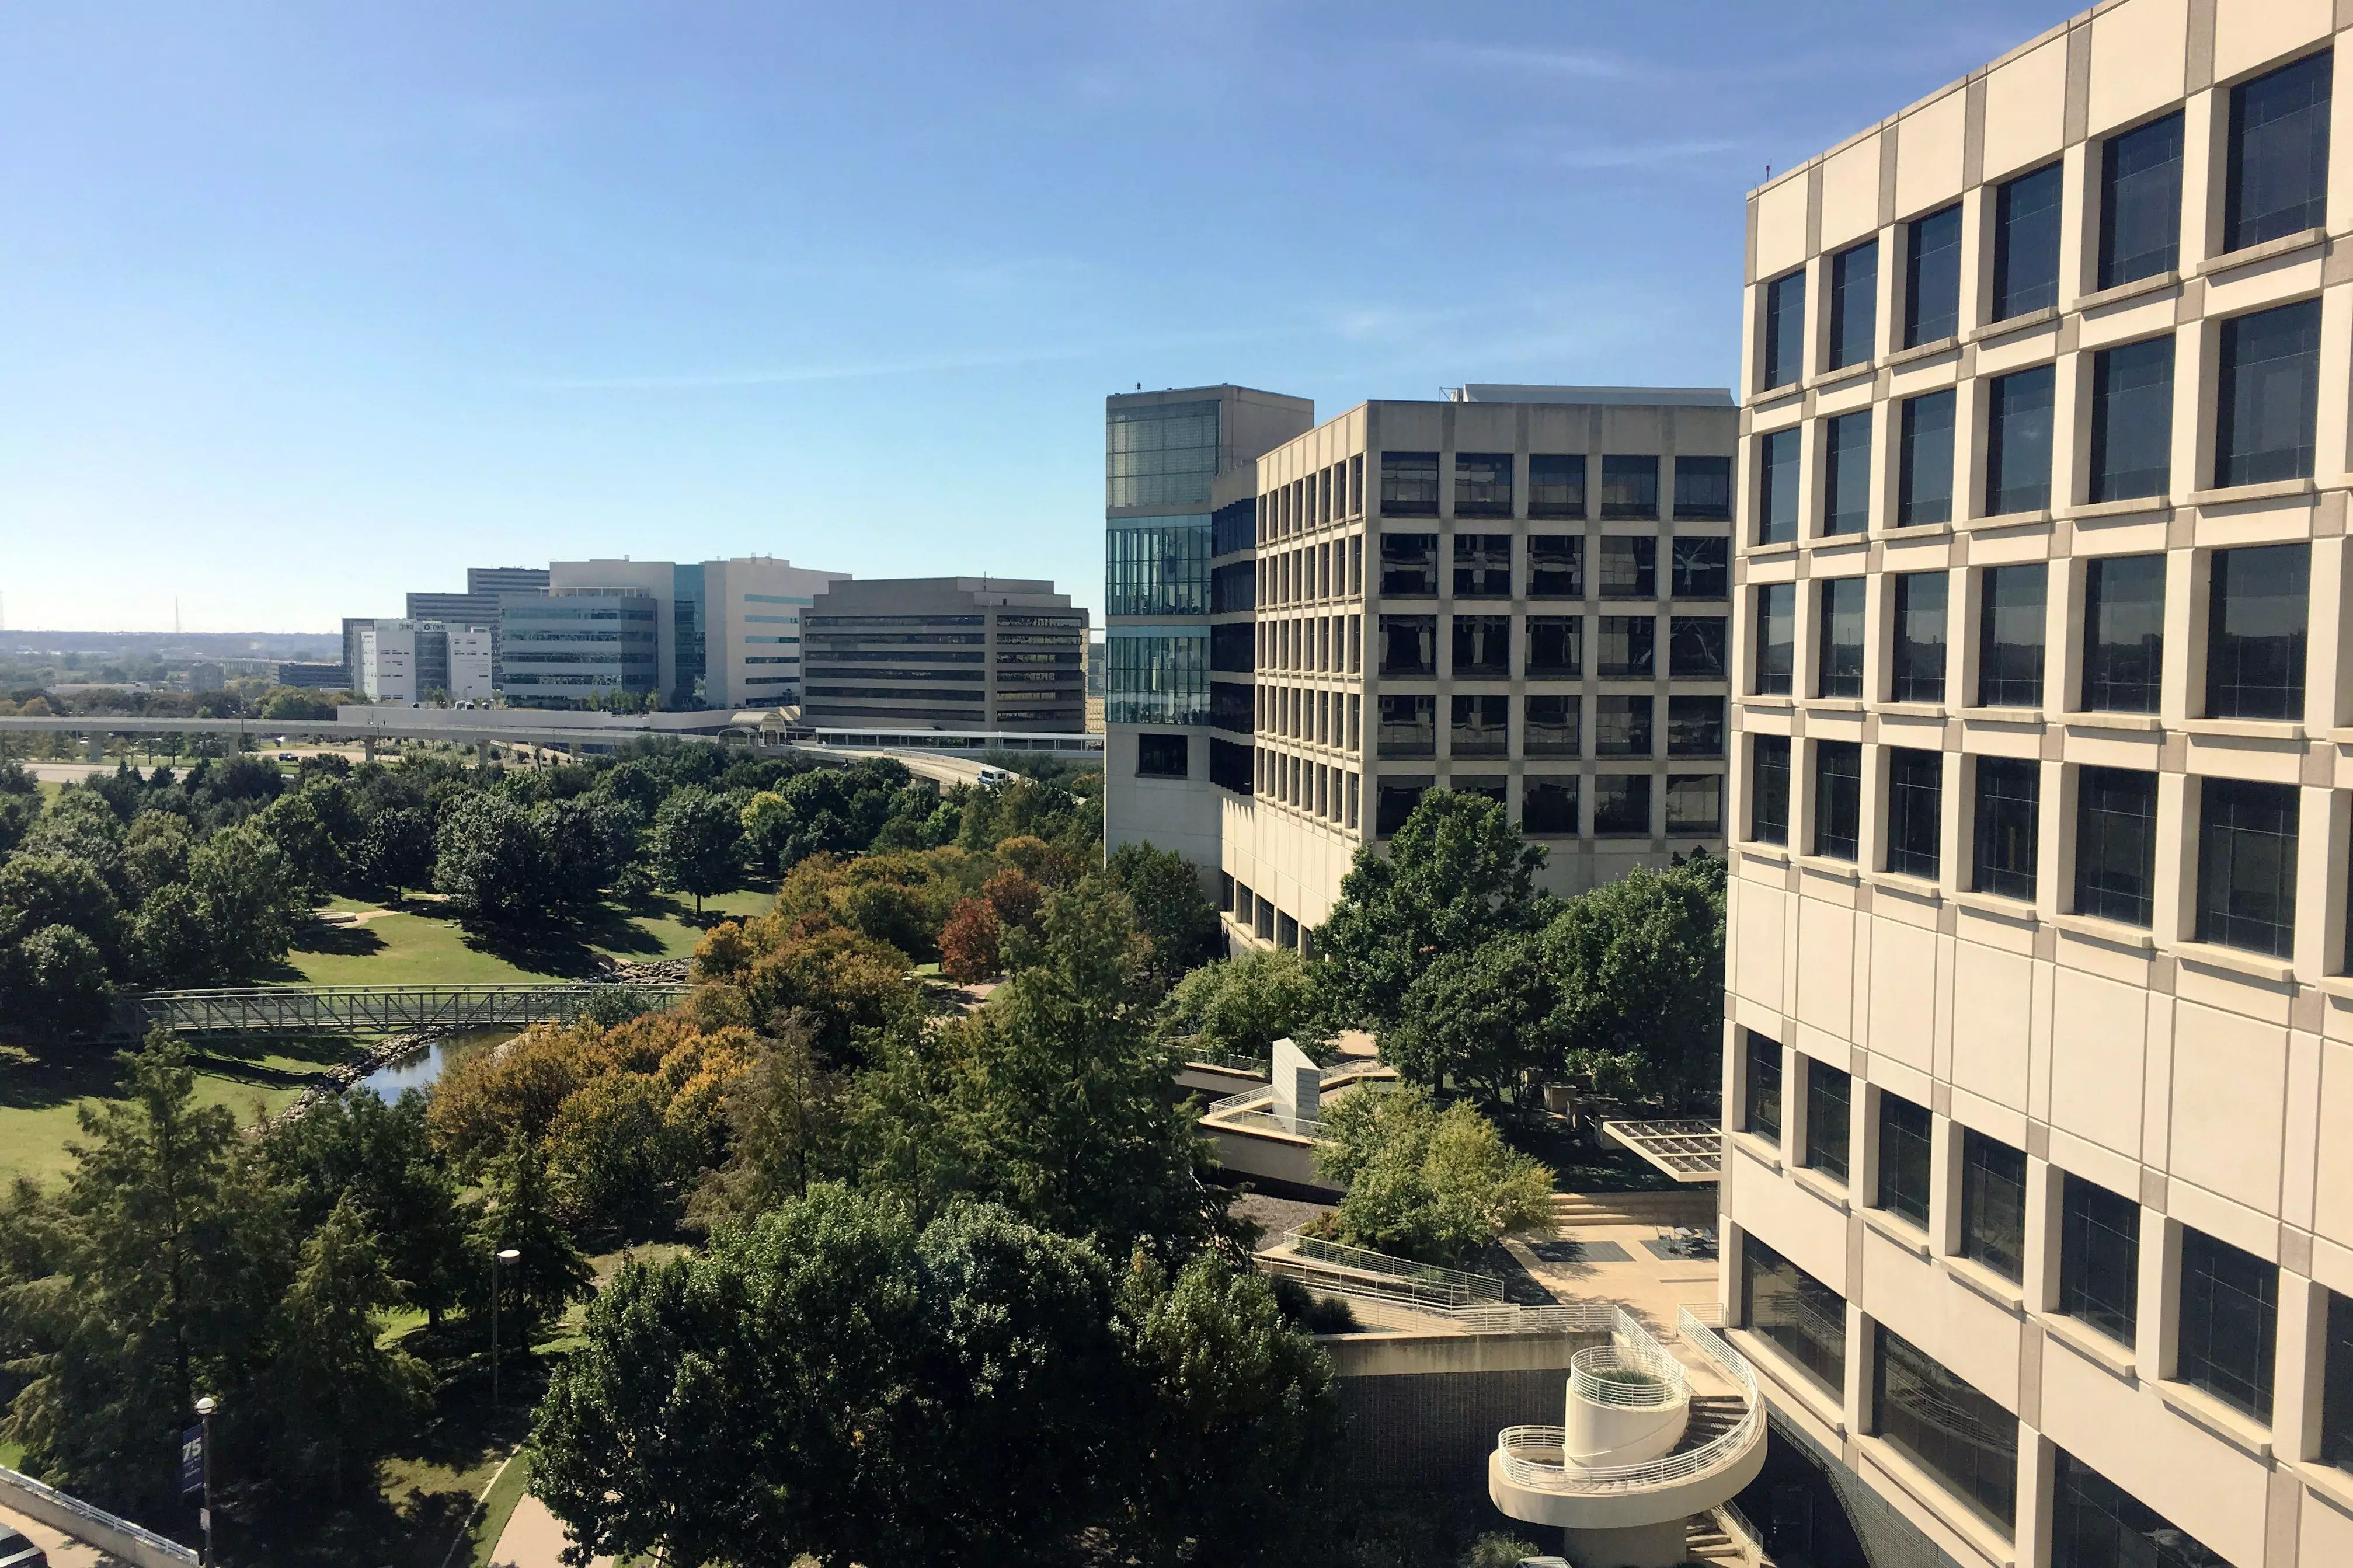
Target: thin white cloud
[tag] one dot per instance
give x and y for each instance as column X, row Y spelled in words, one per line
column 1583, row 64
column 1645, row 154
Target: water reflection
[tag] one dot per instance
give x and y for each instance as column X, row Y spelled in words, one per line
column 427, row 1065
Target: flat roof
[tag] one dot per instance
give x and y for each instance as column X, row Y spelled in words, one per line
column 1688, row 1148
column 1676, row 397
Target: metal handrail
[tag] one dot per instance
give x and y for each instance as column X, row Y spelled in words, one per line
column 1663, row 1380
column 1539, row 1476
column 1223, row 1062
column 1466, row 1288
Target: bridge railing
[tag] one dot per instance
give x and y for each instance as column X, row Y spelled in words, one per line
column 302, row 1008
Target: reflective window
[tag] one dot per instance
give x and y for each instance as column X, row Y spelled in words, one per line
column 1993, row 1203
column 2255, row 616
column 1482, row 648
column 1629, row 568
column 2267, row 395
column 2124, row 633
column 1233, row 527
column 1854, row 305
column 1548, row 805
column 1160, row 456
column 1621, row 726
column 2276, row 176
column 1230, row 708
column 1409, row 645
column 1846, row 473
column 2337, row 1384
column 1924, row 489
column 1700, row 568
column 1233, row 647
column 1621, row 806
column 1838, row 643
column 2026, row 243
column 1625, row 647
column 2095, row 1524
column 2140, row 202
column 1555, row 646
column 1916, row 815
column 1410, row 484
column 1233, row 588
column 2010, row 636
column 1409, row 726
column 1409, row 566
column 1630, row 488
column 1905, row 1148
column 1694, row 728
column 1785, row 330
column 1232, row 767
column 2229, row 1323
column 1762, row 1103
column 1556, row 566
column 1804, row 1319
column 1932, row 277
column 2246, row 865
column 2099, row 1257
column 1777, row 455
column 1482, row 565
column 1703, row 489
column 2115, row 845
column 1829, row 1115
column 1838, row 799
column 1483, row 484
column 1551, row 727
column 2132, row 420
column 1947, row 1427
column 1556, row 485
column 1777, row 633
column 1163, row 757
column 1694, row 804
column 1156, row 566
column 1695, row 646
column 1917, row 662
column 2009, row 801
column 2018, row 440
column 1768, row 789
column 1396, row 801
column 1481, row 727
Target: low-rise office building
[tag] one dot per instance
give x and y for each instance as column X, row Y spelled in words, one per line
column 312, row 677
column 946, row 653
column 413, row 660
column 570, row 645
column 727, row 632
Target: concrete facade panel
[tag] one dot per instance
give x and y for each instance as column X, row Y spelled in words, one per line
column 1826, row 965
column 2333, row 1204
column 1781, row 226
column 1903, row 973
column 1928, row 148
column 2230, row 1075
column 2099, row 1039
column 2251, row 34
column 2025, row 112
column 2139, row 53
column 1991, row 1034
column 1850, row 195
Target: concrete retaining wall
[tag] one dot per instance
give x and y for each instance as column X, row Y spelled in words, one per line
column 1423, row 1411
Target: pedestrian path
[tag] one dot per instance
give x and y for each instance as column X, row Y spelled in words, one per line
column 533, row 1538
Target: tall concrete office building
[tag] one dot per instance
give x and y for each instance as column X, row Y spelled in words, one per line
column 947, row 653
column 478, row 604
column 727, row 632
column 2039, row 1064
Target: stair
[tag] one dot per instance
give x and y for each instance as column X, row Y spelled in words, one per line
column 1711, row 1415
column 1693, row 1206
column 1706, row 1541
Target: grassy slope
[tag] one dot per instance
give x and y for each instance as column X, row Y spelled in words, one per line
column 417, row 946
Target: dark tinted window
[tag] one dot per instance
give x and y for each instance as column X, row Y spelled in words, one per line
column 1482, row 565
column 2255, row 632
column 2018, row 440
column 1556, row 566
column 1556, row 485
column 1846, row 473
column 1625, row 647
column 2246, row 865
column 1622, row 805
column 1550, row 727
column 1410, row 484
column 1229, row 708
column 1483, row 484
column 1481, row 727
column 1776, row 487
column 1700, row 568
column 1838, row 639
column 1397, row 798
column 1777, row 632
column 1629, row 568
column 1233, row 647
column 1231, row 766
column 1621, row 726
column 1409, row 566
column 2010, row 636
column 1703, row 489
column 1555, row 646
column 2277, row 174
column 1932, row 277
column 1916, row 794
column 1947, row 1427
column 1768, row 789
column 2115, row 845
column 1161, row 756
column 1838, row 799
column 2095, row 1524
column 2007, row 816
column 1695, row 646
column 2229, row 1323
column 2026, row 243
column 2267, row 395
column 2124, row 633
column 1482, row 648
column 1829, row 1113
column 1854, row 305
column 1409, row 645
column 1904, row 1134
column 1409, row 726
column 1993, row 1203
column 2140, row 202
column 2099, row 1257
column 1694, row 727
column 2132, row 420
column 1548, row 805
column 1924, row 491
column 1804, row 1319
column 2337, row 1384
column 1785, row 330
column 1917, row 673
column 1629, row 486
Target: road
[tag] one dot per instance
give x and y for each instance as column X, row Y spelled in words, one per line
column 64, row 1551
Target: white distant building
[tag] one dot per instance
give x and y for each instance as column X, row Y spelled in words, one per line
column 472, row 663
column 732, row 628
column 388, row 671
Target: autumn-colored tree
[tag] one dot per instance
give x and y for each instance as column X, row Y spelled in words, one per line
column 1016, row 899
column 968, row 947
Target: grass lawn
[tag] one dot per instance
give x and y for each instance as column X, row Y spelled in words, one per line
column 415, row 944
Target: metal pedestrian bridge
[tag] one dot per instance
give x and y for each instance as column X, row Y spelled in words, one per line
column 333, row 1009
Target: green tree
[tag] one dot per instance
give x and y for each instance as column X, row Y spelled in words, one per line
column 314, row 853
column 170, row 943
column 55, row 979
column 80, row 825
column 785, row 1118
column 616, row 1165
column 1426, row 1184
column 1638, row 965
column 395, row 849
column 1477, row 1019
column 155, row 853
column 1171, row 908
column 38, row 890
column 520, row 1213
column 358, row 1149
column 489, row 860
column 250, row 896
column 696, row 844
column 1239, row 1006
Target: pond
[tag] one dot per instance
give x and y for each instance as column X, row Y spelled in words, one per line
column 422, row 1068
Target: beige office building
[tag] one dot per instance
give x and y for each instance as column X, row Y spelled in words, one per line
column 2038, row 1081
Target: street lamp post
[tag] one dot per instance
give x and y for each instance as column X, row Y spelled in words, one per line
column 506, row 1255
column 205, row 1408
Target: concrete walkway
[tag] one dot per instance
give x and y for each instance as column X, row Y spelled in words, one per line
column 533, row 1538
column 64, row 1551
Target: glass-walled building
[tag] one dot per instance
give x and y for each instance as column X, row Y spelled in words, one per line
column 576, row 643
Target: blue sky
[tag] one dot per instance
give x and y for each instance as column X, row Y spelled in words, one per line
column 302, row 306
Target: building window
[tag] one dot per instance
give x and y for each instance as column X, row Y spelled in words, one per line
column 1947, row 1427
column 2246, row 865
column 1804, row 1319
column 1694, row 726
column 1916, row 814
column 1230, row 766
column 2229, row 1323
column 1700, row 568
column 1482, row 648
column 2008, row 813
column 1918, row 665
column 1625, row 647
column 1776, row 635
column 2115, row 845
column 1932, row 277
column 2095, row 1524
column 2018, row 440
column 1555, row 646
column 2026, row 243
column 2099, row 1257
column 1838, row 799
column 1768, row 789
column 1924, row 491
column 1695, row 646
column 1410, row 484
column 2267, row 395
column 1409, row 726
column 1777, row 455
column 1630, row 568
column 1829, row 1110
column 1153, row 676
column 1233, row 588
column 1556, row 566
column 1408, row 645
column 1556, row 485
column 1163, row 757
column 1233, row 647
column 1481, row 726
column 1153, row 567
column 1397, row 798
column 1694, row 804
column 1993, row 1205
column 2276, row 181
column 2010, row 636
column 1550, row 727
column 1483, row 484
column 2140, row 202
column 1621, row 806
column 1630, row 488
column 2337, row 1384
column 1482, row 565
column 2255, row 620
column 1846, row 473
column 2132, row 420
column 1163, row 455
column 1409, row 566
column 1621, row 726
column 1785, row 330
column 1838, row 657
column 1548, row 805
column 1702, row 489
column 1266, row 919
column 2124, row 633
column 1906, row 1135
column 1854, row 305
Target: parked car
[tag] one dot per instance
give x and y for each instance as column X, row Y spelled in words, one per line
column 287, row 757
column 16, row 1552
